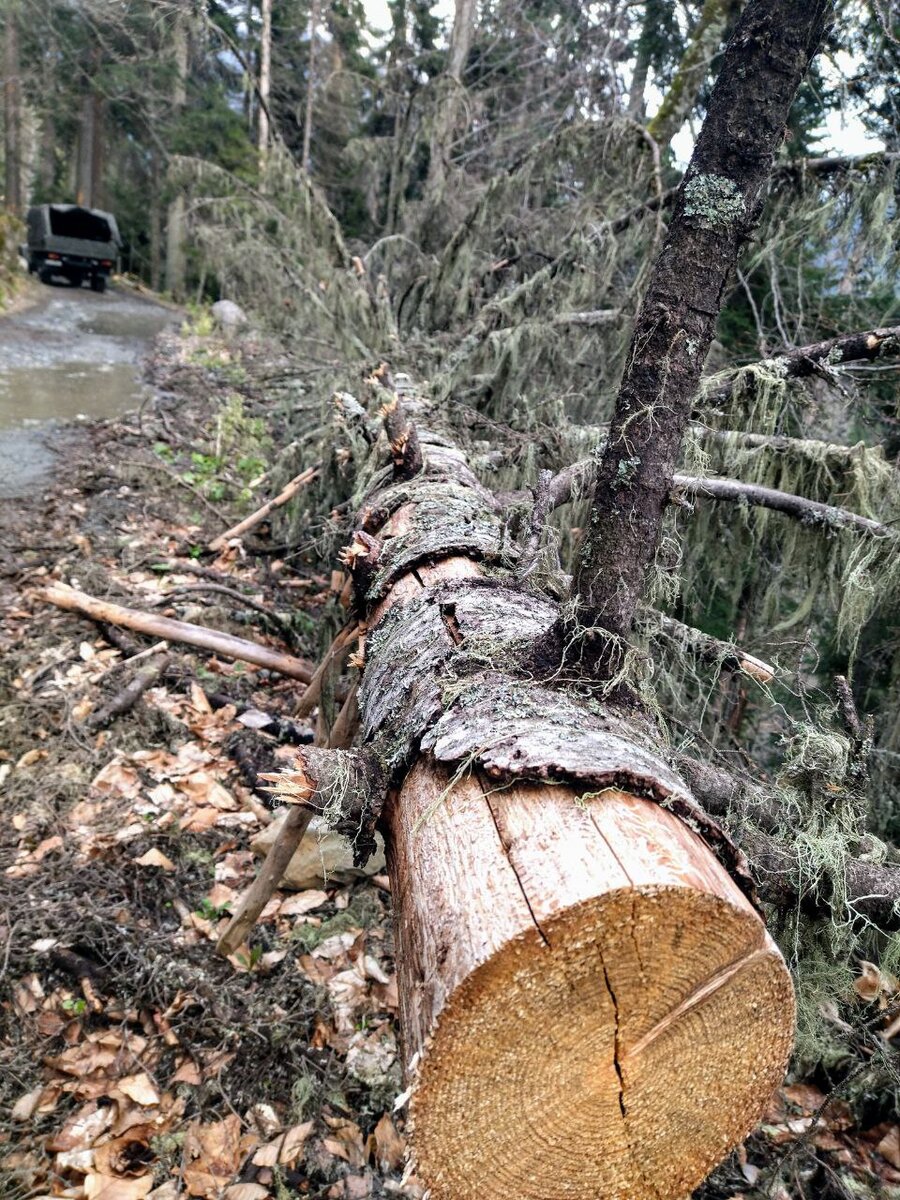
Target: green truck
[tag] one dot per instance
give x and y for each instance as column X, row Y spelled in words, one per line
column 73, row 242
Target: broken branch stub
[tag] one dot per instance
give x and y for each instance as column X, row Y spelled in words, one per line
column 576, row 937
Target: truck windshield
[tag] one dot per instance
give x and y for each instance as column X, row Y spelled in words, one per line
column 79, row 223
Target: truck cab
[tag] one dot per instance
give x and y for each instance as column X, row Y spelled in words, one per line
column 76, row 243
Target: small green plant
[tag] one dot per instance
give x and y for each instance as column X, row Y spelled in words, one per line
column 74, row 1007
column 212, row 912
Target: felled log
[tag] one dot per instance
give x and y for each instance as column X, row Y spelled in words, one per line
column 591, row 1005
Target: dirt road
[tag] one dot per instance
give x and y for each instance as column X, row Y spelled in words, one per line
column 69, row 353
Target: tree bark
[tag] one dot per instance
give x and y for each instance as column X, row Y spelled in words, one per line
column 12, row 112
column 715, row 209
column 310, row 86
column 569, row 949
column 265, row 77
column 692, row 71
column 176, row 263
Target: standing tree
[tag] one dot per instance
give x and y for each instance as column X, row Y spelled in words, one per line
column 12, row 112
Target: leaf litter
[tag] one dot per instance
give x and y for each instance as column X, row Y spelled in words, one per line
column 135, row 1062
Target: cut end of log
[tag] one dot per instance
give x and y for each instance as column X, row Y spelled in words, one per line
column 611, row 1023
column 623, row 1056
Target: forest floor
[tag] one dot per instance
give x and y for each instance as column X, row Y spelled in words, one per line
column 135, row 1062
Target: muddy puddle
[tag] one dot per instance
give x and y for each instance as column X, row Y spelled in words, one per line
column 73, row 355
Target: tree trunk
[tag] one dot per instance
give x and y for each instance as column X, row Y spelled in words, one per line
column 265, row 77
column 98, row 151
column 176, row 264
column 590, row 1003
column 12, row 113
column 310, row 85
column 447, row 107
column 641, row 66
column 87, row 136
column 155, row 223
column 692, row 71
column 591, row 996
column 715, row 209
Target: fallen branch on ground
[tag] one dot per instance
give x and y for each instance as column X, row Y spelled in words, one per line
column 126, row 699
column 270, row 875
column 287, row 493
column 212, row 640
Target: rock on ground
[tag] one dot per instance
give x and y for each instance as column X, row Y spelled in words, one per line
column 323, row 856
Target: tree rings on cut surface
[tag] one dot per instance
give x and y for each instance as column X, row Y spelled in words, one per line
column 597, row 1010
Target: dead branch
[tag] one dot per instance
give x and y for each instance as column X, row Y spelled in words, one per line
column 270, row 876
column 872, row 889
column 590, row 318
column 575, row 479
column 346, row 724
column 212, row 640
column 809, row 512
column 221, row 590
column 334, row 656
column 287, row 493
column 704, row 645
column 822, row 357
column 126, row 699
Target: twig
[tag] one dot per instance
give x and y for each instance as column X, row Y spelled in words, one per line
column 287, row 493
column 176, row 478
column 178, row 631
column 221, row 590
column 270, row 876
column 335, row 653
column 127, row 697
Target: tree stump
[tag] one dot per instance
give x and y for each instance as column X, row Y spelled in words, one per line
column 590, row 1006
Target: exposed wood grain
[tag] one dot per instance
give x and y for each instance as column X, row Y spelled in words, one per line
column 590, row 1006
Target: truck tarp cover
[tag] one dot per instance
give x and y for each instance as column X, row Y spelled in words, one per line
column 72, row 222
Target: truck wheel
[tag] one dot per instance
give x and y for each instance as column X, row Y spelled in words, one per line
column 98, row 283
column 45, row 276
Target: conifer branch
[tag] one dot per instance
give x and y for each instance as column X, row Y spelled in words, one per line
column 821, row 357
